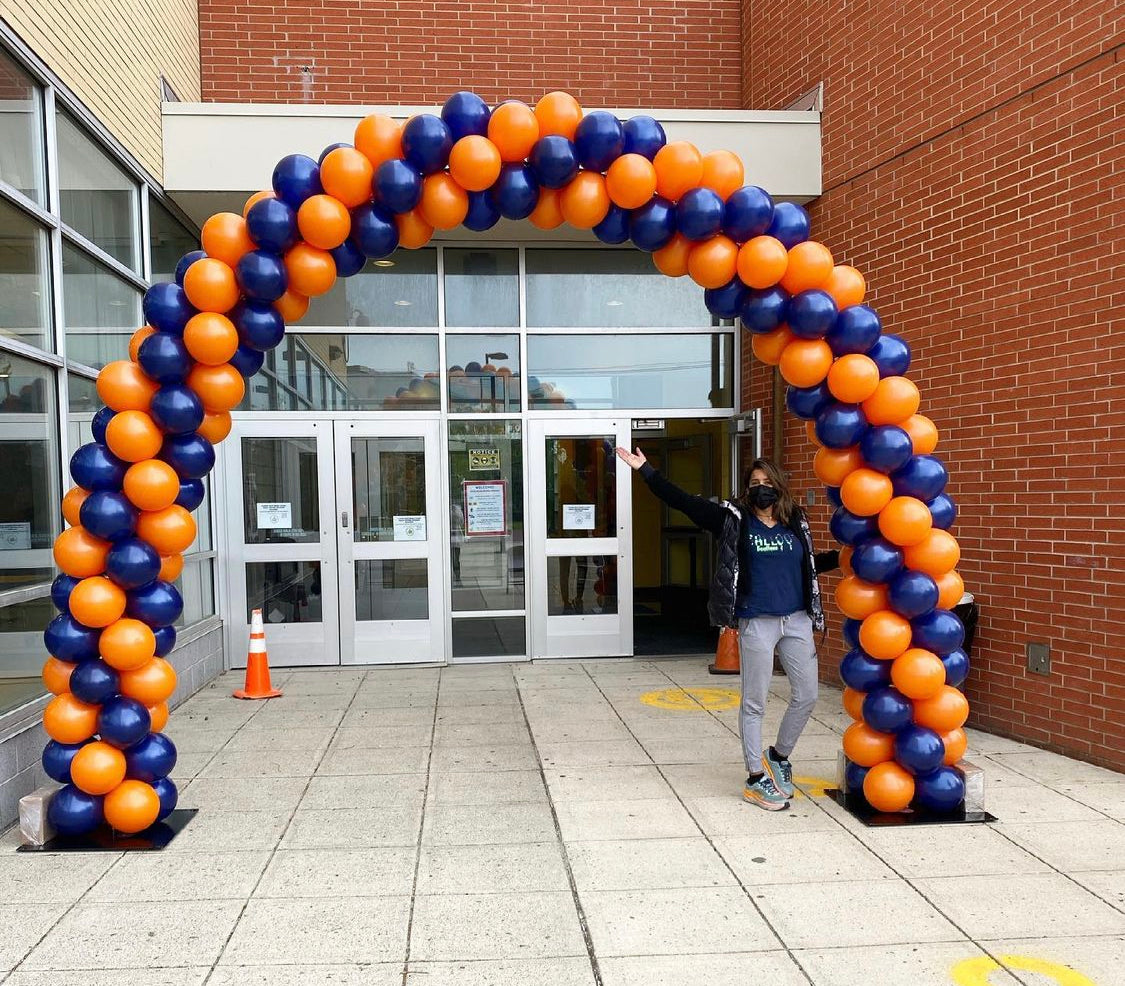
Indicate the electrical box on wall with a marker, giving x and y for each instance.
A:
(1039, 658)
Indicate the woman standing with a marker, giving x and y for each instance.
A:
(765, 582)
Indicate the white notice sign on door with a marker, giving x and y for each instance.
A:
(15, 536)
(274, 516)
(409, 527)
(578, 517)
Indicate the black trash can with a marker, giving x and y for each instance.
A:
(968, 612)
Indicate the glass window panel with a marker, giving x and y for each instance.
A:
(21, 651)
(608, 288)
(169, 240)
(581, 492)
(202, 515)
(484, 373)
(389, 480)
(285, 591)
(100, 310)
(196, 585)
(581, 584)
(21, 132)
(481, 287)
(280, 490)
(631, 371)
(486, 491)
(82, 395)
(501, 636)
(25, 293)
(97, 198)
(392, 590)
(29, 484)
(398, 291)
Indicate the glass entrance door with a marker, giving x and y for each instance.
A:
(581, 551)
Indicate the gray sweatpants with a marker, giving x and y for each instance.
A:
(792, 637)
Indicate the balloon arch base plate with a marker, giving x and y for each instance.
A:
(873, 818)
(105, 839)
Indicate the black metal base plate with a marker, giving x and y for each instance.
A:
(711, 669)
(915, 816)
(104, 839)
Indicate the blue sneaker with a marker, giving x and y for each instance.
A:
(764, 793)
(780, 772)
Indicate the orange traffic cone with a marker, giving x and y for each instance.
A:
(726, 654)
(257, 663)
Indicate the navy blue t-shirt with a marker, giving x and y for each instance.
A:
(771, 557)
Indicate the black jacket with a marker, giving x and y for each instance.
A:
(724, 520)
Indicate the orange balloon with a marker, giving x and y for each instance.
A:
(77, 552)
(137, 338)
(722, 172)
(514, 129)
(221, 388)
(56, 675)
(169, 531)
(170, 567)
(215, 427)
(762, 262)
(474, 163)
(866, 746)
(72, 503)
(211, 286)
(133, 436)
(312, 271)
(151, 485)
(923, 433)
(631, 181)
(123, 386)
(558, 113)
(865, 492)
(679, 166)
(67, 720)
(768, 346)
(853, 703)
(378, 138)
(159, 714)
(845, 559)
(936, 554)
(956, 743)
(292, 306)
(895, 399)
(266, 193)
(547, 213)
(584, 202)
(97, 768)
(809, 265)
(918, 673)
(324, 222)
(413, 230)
(945, 711)
(888, 787)
(444, 203)
(131, 807)
(846, 285)
(346, 175)
(853, 378)
(127, 644)
(905, 521)
(224, 237)
(885, 635)
(150, 684)
(97, 602)
(832, 465)
(672, 258)
(857, 599)
(713, 262)
(951, 587)
(805, 362)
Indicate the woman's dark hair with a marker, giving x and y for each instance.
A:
(786, 510)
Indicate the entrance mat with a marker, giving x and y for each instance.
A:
(916, 816)
(104, 839)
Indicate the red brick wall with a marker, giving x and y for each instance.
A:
(974, 173)
(657, 53)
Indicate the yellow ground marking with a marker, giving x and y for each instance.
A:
(975, 971)
(692, 699)
(817, 786)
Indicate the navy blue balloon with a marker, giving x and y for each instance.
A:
(158, 604)
(653, 224)
(272, 224)
(374, 231)
(483, 213)
(164, 357)
(840, 425)
(426, 143)
(863, 672)
(61, 589)
(515, 192)
(109, 516)
(919, 750)
(554, 159)
(855, 330)
(849, 528)
(941, 791)
(74, 812)
(260, 325)
(95, 467)
(891, 354)
(166, 791)
(886, 447)
(166, 307)
(699, 213)
(748, 213)
(643, 135)
(398, 186)
(854, 776)
(599, 140)
(849, 630)
(348, 257)
(877, 560)
(465, 113)
(261, 275)
(192, 492)
(329, 149)
(808, 402)
(923, 477)
(177, 409)
(132, 563)
(790, 224)
(192, 456)
(68, 640)
(943, 510)
(765, 309)
(956, 667)
(832, 494)
(913, 594)
(57, 757)
(185, 262)
(99, 422)
(94, 682)
(247, 361)
(811, 313)
(940, 631)
(296, 178)
(123, 721)
(887, 709)
(727, 301)
(165, 640)
(150, 759)
(615, 227)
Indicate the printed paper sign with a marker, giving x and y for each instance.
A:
(274, 516)
(578, 517)
(485, 504)
(410, 527)
(15, 536)
(484, 459)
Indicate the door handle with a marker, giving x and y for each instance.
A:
(343, 518)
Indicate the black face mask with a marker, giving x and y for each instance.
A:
(762, 497)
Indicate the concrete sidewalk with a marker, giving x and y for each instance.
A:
(561, 825)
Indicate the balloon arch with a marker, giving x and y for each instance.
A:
(206, 332)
